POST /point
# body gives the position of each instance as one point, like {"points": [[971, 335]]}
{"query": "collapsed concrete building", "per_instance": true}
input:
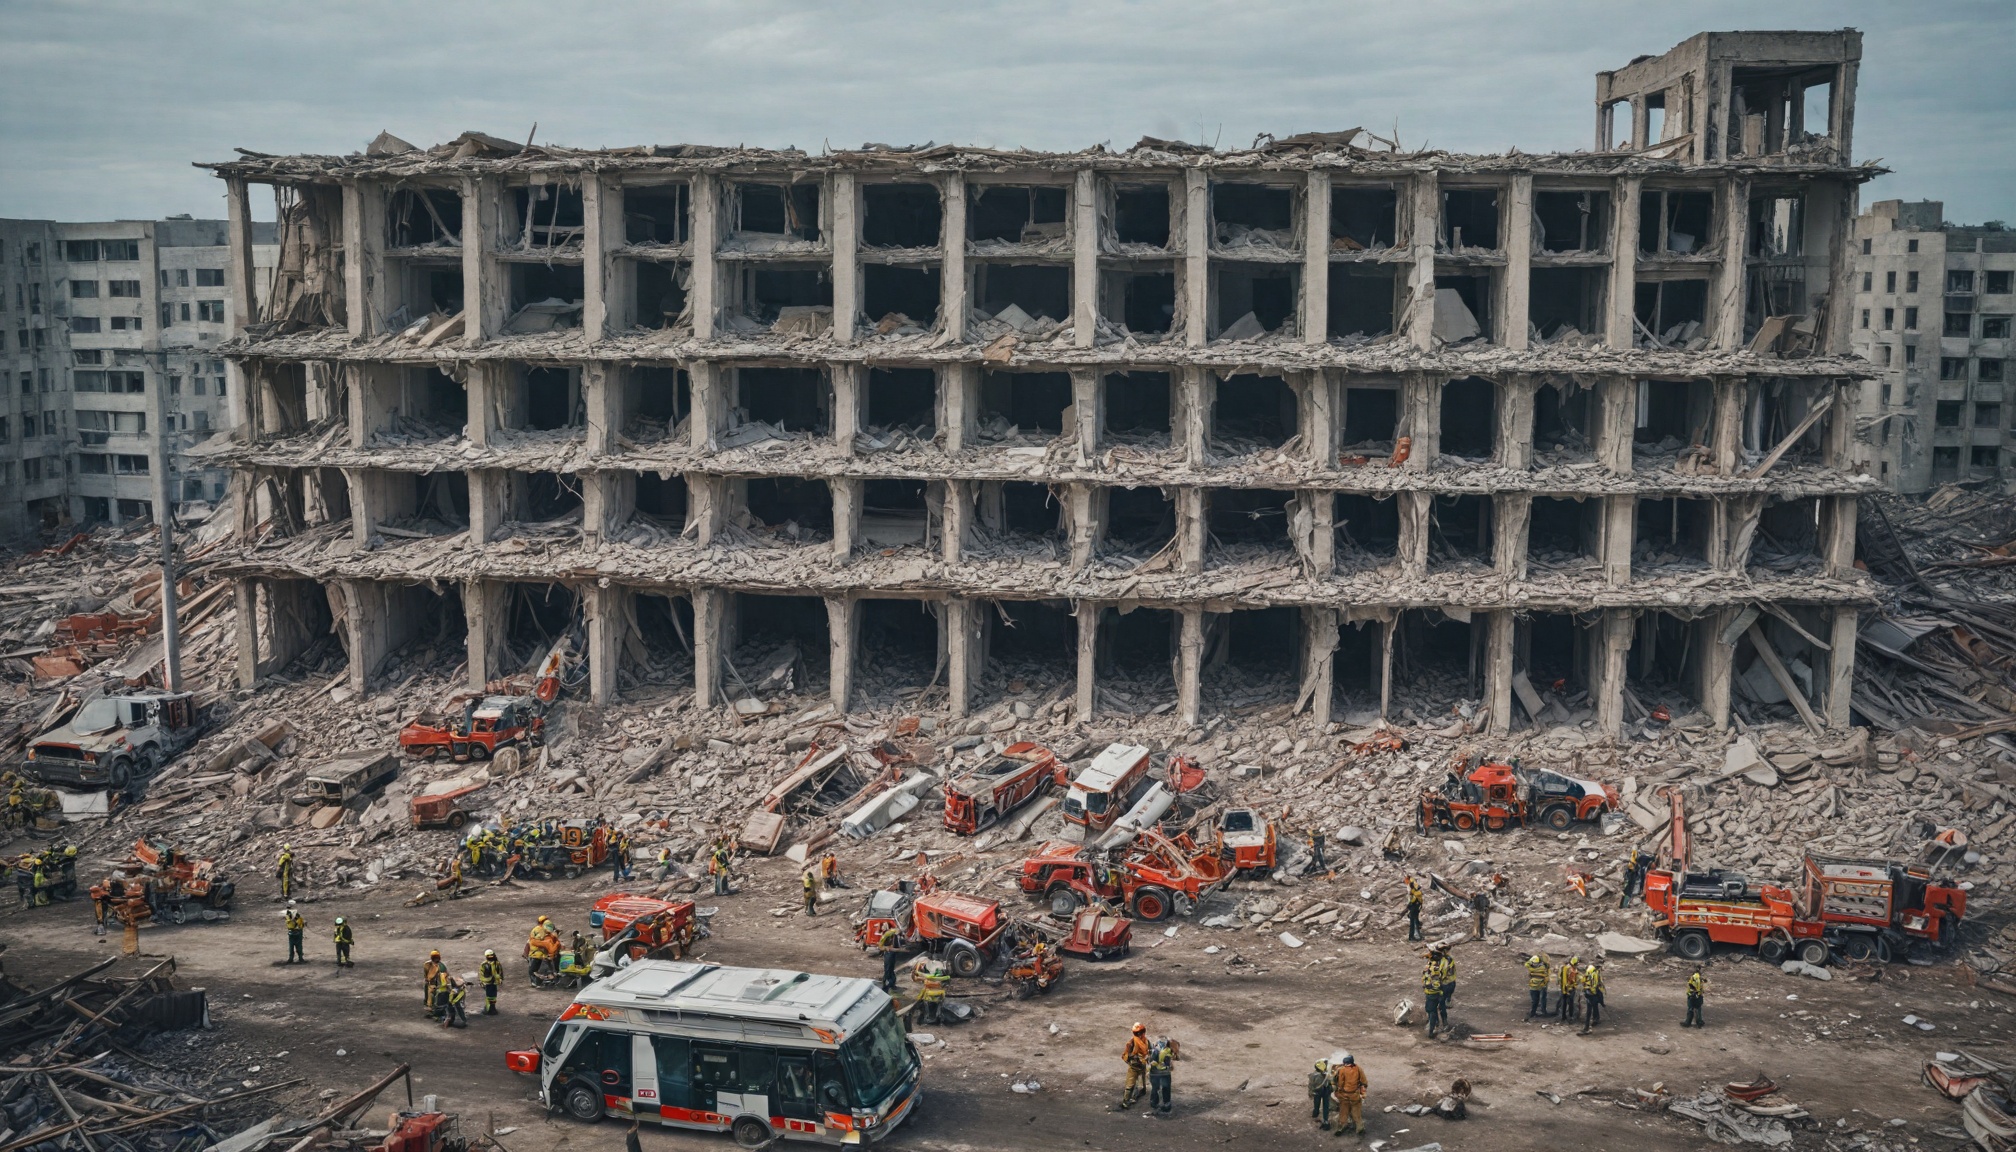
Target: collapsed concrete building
{"points": [[1371, 428]]}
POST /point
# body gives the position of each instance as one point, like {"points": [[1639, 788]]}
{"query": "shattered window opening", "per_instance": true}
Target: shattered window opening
{"points": [[1254, 299], [1460, 532], [1463, 307], [544, 296], [788, 509], [1141, 214], [800, 297], [1030, 511], [1676, 222], [1469, 418], [1362, 301], [1029, 404], [1368, 530], [545, 497], [1561, 532], [1672, 415], [1029, 641], [1251, 656], [778, 210], [895, 298], [1253, 412], [1242, 520], [662, 499], [1469, 219], [789, 399], [1566, 305], [658, 398], [901, 216], [1553, 649], [424, 218], [1142, 300], [1039, 292], [548, 216], [1135, 656], [1010, 214], [903, 398], [1363, 219], [1671, 532], [553, 399], [1356, 666], [1139, 521], [1571, 221], [780, 642], [1671, 313], [657, 213], [662, 294], [1371, 419], [662, 654], [1137, 406], [895, 513], [1253, 215], [1435, 661], [901, 644]]}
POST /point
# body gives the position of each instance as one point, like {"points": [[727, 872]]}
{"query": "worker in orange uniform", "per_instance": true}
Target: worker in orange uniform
{"points": [[1136, 1056], [829, 871], [1348, 1085]]}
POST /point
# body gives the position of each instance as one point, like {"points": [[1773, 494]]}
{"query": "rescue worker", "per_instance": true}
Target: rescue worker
{"points": [[16, 807], [1480, 910], [1633, 879], [664, 863], [1414, 898], [491, 974], [40, 881], [24, 881], [344, 940], [1537, 973], [1321, 1096], [931, 997], [1592, 997], [296, 926], [437, 995], [1316, 864], [1570, 979], [455, 875], [1161, 1077], [888, 944], [1350, 1087], [1447, 964], [1697, 987], [811, 893], [719, 866], [1431, 993], [101, 901], [1135, 1054], [286, 871], [454, 991], [428, 971], [829, 871]]}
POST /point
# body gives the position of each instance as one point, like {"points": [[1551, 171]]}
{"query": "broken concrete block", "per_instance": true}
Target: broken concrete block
{"points": [[1801, 968], [1618, 944]]}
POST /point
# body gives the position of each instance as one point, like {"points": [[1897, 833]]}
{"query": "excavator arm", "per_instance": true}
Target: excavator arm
{"points": [[1678, 852]]}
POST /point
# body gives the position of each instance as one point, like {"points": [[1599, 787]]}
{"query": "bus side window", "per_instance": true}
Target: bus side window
{"points": [[715, 1070], [675, 1071], [759, 1070], [615, 1063], [832, 1084]]}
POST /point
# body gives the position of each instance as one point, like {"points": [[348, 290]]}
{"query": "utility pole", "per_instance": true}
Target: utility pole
{"points": [[164, 519]]}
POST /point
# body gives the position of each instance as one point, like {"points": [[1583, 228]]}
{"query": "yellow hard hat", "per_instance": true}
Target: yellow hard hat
{"points": [[434, 955]]}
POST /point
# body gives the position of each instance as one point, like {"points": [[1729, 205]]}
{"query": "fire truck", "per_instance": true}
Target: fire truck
{"points": [[967, 932], [978, 798], [1151, 878], [1107, 787], [1495, 796]]}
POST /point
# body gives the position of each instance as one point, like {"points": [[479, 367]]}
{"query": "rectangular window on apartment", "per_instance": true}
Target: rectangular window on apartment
{"points": [[1987, 415], [202, 420], [1865, 247], [1990, 371], [1910, 353], [1910, 246], [1985, 456], [209, 277], [202, 385], [27, 425], [1890, 282], [94, 464], [167, 314], [126, 324], [1886, 395], [164, 277], [1865, 317], [174, 385], [1952, 368], [84, 325], [134, 383], [1910, 319], [185, 311], [1959, 324], [80, 251], [1998, 283], [31, 470], [1994, 327], [3, 430], [1948, 414], [1866, 278], [88, 356], [88, 381], [1910, 282], [27, 383], [129, 465], [1889, 319], [220, 385], [1959, 280], [83, 289], [119, 249], [35, 252], [129, 288], [210, 311], [1884, 354], [182, 278]]}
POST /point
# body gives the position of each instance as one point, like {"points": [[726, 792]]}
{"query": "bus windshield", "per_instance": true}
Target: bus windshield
{"points": [[877, 1059]]}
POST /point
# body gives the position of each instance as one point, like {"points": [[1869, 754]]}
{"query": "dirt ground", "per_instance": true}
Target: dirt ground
{"points": [[1250, 1028]]}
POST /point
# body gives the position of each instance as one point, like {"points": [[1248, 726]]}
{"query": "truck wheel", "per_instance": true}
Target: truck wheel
{"points": [[457, 819], [583, 1103], [1558, 819], [1813, 952], [1773, 949], [478, 751], [1464, 821], [1859, 946], [751, 1132], [1064, 902], [1693, 945], [1152, 904], [964, 959], [119, 775]]}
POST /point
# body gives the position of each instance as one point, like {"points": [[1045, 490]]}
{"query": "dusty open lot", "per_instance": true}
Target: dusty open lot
{"points": [[1251, 1017]]}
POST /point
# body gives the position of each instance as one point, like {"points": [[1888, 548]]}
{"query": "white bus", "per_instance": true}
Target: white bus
{"points": [[757, 1052]]}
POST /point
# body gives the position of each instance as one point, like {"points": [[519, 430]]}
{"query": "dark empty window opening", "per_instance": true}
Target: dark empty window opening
{"points": [[794, 399], [552, 399], [661, 294], [787, 633], [1363, 219], [1457, 294], [424, 218], [1252, 656], [1040, 291], [894, 513], [1571, 221], [1368, 529], [662, 498], [1772, 108], [1672, 531], [1016, 214], [1469, 218], [1248, 516], [549, 215], [1671, 314], [1552, 649], [1777, 226], [1253, 409], [657, 214], [778, 210], [1137, 648], [1945, 464], [1025, 403], [1139, 521], [1143, 302], [1361, 301], [438, 401], [1675, 223], [1672, 414], [1774, 410], [1254, 299], [442, 497], [1031, 510], [663, 652], [557, 291], [1561, 420], [540, 614], [1137, 405], [547, 496], [1984, 456], [903, 398], [1566, 303], [901, 216], [1460, 531], [1371, 420], [659, 398], [1035, 641], [1664, 667], [1435, 661], [768, 291], [431, 288], [1355, 668], [286, 407], [1260, 214], [1560, 531], [1788, 534], [790, 509], [899, 650], [1141, 215], [892, 294], [1469, 418]]}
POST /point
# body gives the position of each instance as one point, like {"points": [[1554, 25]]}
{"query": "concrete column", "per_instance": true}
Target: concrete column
{"points": [[1620, 518], [1732, 216], [850, 399], [708, 385], [959, 401], [1315, 319], [958, 519], [1498, 628], [1511, 520], [846, 257], [1084, 258], [602, 385], [1088, 408], [1322, 504], [1319, 663], [486, 292], [1515, 296], [607, 622], [1620, 331], [239, 275], [1087, 612], [1616, 421], [373, 394], [1613, 642], [1088, 522], [485, 609], [843, 626], [1196, 278], [1191, 530], [1190, 422], [485, 387], [365, 303], [1837, 534], [364, 630], [1189, 664], [706, 296], [1837, 430], [710, 610], [609, 290], [1515, 422], [1718, 663], [952, 286], [1421, 419], [963, 651], [1841, 666], [1425, 211], [488, 508], [1387, 628], [607, 501], [376, 495], [245, 599], [847, 492], [707, 501], [1318, 418], [1726, 434], [1413, 544]]}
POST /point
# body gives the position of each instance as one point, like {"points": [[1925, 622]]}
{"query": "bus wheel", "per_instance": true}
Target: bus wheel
{"points": [[1693, 946], [584, 1103], [751, 1132]]}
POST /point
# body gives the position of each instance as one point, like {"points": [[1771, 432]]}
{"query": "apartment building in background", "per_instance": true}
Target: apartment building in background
{"points": [[1934, 305], [110, 333]]}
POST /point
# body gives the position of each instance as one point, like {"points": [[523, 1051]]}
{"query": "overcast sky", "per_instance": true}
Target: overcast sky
{"points": [[104, 103]]}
